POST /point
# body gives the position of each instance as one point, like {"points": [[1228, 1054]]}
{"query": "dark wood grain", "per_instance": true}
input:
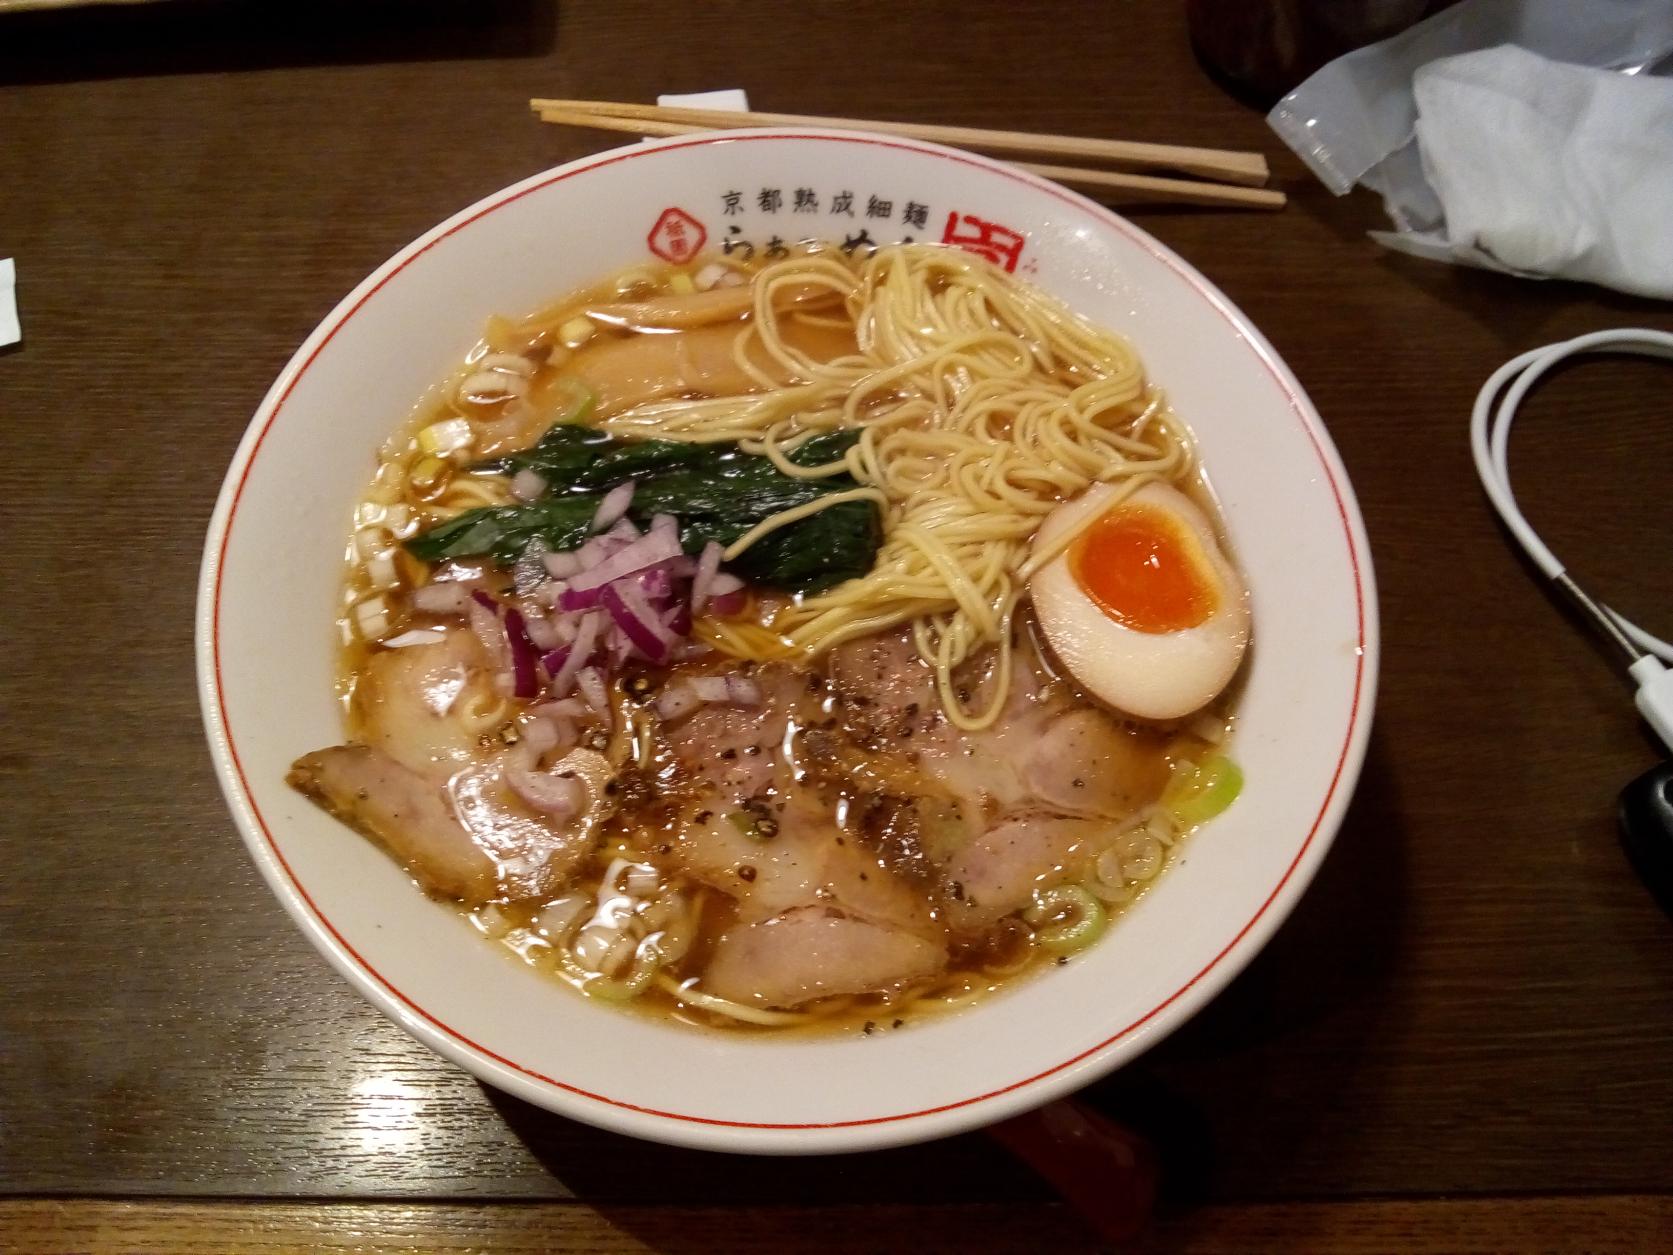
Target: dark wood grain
{"points": [[1566, 1225], [1475, 997]]}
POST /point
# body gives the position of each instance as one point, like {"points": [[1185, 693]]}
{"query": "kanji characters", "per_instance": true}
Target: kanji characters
{"points": [[1000, 245]]}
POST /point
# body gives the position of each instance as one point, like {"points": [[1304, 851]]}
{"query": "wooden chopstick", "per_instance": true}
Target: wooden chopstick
{"points": [[1229, 166], [1102, 183]]}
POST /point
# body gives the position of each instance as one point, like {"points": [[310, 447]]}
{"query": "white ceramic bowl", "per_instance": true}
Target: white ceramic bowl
{"points": [[269, 589]]}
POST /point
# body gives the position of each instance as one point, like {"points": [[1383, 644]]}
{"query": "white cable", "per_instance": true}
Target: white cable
{"points": [[1490, 422], [1490, 438]]}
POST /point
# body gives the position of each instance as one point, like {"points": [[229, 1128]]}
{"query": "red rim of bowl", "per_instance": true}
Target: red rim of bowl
{"points": [[707, 1131]]}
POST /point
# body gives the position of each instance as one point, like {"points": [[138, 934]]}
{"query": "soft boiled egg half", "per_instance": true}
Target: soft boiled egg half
{"points": [[1142, 607]]}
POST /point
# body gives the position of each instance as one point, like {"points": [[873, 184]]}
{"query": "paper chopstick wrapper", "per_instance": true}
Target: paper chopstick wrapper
{"points": [[10, 331]]}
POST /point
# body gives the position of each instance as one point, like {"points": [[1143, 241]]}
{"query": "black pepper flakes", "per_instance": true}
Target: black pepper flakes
{"points": [[703, 817], [638, 686], [870, 1027], [1078, 783], [728, 753], [746, 873], [897, 1024], [752, 750], [1062, 960]]}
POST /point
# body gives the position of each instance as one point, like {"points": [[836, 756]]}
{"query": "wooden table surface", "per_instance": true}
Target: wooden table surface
{"points": [[1462, 1039]]}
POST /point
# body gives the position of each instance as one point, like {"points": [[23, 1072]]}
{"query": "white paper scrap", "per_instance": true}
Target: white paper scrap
{"points": [[731, 99], [10, 332]]}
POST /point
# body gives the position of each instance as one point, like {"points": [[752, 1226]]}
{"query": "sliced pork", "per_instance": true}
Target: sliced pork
{"points": [[812, 952], [402, 811]]}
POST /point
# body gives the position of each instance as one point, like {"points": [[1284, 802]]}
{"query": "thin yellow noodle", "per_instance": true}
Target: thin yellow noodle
{"points": [[982, 404], [471, 492], [724, 1006], [785, 517]]}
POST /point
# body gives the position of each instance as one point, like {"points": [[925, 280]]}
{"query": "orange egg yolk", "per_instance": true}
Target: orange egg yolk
{"points": [[1145, 569]]}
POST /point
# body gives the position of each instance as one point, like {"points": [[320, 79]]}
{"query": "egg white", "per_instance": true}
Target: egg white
{"points": [[1153, 675]]}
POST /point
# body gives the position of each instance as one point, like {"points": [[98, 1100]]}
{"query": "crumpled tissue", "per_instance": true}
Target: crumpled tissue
{"points": [[1543, 168]]}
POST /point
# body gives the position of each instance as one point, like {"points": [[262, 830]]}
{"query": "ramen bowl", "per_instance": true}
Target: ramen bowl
{"points": [[270, 589]]}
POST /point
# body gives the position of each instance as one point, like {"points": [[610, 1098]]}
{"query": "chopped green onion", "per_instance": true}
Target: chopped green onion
{"points": [[1067, 918], [450, 436], [1197, 794], [577, 331]]}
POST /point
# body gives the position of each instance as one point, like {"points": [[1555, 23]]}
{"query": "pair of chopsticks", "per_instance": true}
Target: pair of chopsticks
{"points": [[1224, 177]]}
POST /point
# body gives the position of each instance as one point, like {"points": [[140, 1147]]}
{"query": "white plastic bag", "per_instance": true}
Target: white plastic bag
{"points": [[1545, 164]]}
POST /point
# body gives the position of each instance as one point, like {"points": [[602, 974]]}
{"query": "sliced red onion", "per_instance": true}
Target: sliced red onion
{"points": [[528, 484], [418, 636], [734, 690], [726, 604], [723, 585], [677, 619], [546, 791], [526, 681], [614, 505], [560, 566], [444, 598], [591, 554], [676, 701], [590, 680], [589, 632], [637, 618], [486, 624], [657, 583], [563, 708], [542, 631], [708, 566], [623, 530], [565, 664], [582, 592], [665, 523]]}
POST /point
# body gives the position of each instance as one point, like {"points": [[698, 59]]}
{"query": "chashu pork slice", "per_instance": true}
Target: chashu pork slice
{"points": [[402, 811], [470, 838], [999, 871], [812, 952]]}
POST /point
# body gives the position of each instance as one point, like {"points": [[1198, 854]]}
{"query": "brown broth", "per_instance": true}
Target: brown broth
{"points": [[647, 821]]}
